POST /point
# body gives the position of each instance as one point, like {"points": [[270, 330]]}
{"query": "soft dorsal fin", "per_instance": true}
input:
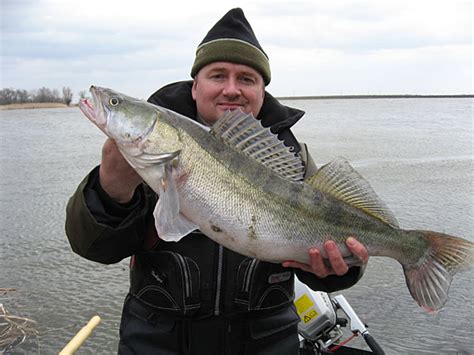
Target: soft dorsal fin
{"points": [[246, 134], [340, 180]]}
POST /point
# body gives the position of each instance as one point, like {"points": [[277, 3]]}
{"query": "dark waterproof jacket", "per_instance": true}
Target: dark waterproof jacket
{"points": [[189, 295]]}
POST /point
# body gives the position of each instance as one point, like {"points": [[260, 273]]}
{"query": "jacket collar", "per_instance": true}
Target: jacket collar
{"points": [[177, 97]]}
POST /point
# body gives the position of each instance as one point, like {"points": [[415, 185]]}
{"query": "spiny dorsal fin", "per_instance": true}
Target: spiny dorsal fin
{"points": [[340, 180], [246, 134]]}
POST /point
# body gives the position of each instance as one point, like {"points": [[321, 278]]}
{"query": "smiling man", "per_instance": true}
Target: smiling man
{"points": [[223, 86], [195, 296]]}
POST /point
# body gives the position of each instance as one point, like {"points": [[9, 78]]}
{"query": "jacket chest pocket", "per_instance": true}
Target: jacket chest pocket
{"points": [[262, 285], [167, 281]]}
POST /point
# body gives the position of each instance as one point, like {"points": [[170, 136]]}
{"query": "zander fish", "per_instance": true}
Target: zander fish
{"points": [[242, 187]]}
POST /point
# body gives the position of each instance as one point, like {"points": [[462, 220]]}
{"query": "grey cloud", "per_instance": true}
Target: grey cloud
{"points": [[80, 44], [362, 11], [359, 26], [29, 31], [370, 42]]}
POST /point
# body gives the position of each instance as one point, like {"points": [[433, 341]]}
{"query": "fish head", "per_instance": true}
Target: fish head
{"points": [[125, 119]]}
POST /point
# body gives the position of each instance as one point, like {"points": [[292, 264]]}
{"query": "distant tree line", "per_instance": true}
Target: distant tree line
{"points": [[19, 96]]}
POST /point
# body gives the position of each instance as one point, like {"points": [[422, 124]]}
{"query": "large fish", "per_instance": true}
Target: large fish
{"points": [[243, 188]]}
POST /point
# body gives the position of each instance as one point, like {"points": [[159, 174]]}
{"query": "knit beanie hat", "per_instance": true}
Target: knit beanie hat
{"points": [[232, 40]]}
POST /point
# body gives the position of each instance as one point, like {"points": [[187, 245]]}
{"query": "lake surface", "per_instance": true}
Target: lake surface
{"points": [[417, 153]]}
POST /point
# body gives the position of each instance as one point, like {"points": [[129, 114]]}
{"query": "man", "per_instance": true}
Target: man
{"points": [[195, 296]]}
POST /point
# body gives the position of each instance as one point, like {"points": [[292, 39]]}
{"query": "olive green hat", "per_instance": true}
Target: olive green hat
{"points": [[232, 40]]}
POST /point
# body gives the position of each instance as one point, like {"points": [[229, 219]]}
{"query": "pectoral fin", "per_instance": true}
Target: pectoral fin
{"points": [[170, 224]]}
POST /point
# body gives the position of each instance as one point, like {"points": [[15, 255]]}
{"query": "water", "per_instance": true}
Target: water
{"points": [[417, 154]]}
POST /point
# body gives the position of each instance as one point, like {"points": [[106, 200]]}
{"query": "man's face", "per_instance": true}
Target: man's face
{"points": [[223, 86]]}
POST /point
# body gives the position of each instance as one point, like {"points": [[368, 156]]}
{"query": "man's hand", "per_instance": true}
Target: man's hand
{"points": [[337, 265], [116, 176]]}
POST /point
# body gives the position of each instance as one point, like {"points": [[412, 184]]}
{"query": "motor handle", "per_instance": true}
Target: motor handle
{"points": [[357, 326], [373, 345]]}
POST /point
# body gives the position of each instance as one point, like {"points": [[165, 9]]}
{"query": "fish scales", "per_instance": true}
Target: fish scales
{"points": [[233, 189]]}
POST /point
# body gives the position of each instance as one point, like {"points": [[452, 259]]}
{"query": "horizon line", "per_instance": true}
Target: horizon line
{"points": [[372, 96]]}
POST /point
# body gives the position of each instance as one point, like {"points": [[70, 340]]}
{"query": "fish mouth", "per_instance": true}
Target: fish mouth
{"points": [[93, 109]]}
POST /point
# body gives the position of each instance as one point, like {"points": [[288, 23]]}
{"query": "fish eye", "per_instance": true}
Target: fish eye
{"points": [[114, 101]]}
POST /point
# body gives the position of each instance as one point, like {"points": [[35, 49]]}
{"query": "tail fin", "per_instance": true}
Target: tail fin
{"points": [[429, 279]]}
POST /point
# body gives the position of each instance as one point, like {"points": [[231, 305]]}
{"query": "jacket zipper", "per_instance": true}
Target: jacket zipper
{"points": [[186, 273], [219, 280], [249, 274]]}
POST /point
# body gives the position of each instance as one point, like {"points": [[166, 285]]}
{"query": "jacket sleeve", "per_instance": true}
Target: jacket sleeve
{"points": [[330, 283], [103, 230]]}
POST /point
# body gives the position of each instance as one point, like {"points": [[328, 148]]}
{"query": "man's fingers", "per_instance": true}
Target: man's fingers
{"points": [[357, 249], [333, 263], [116, 176], [318, 266], [335, 258]]}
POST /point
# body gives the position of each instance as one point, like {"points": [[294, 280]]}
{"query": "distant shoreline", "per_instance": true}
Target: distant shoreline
{"points": [[331, 97], [36, 105], [33, 105]]}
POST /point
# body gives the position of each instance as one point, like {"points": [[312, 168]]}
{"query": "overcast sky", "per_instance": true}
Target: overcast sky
{"points": [[316, 47]]}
